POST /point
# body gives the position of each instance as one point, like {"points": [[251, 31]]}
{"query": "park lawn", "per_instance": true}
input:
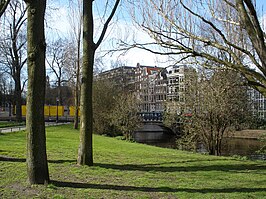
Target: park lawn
{"points": [[126, 170]]}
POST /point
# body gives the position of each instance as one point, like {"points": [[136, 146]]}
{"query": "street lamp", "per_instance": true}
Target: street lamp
{"points": [[57, 103]]}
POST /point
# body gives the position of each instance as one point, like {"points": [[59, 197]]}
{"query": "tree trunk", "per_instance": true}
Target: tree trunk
{"points": [[3, 6], [77, 101], [18, 101], [76, 116], [37, 166], [85, 155]]}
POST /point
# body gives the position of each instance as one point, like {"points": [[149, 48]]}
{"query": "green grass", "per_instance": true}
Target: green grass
{"points": [[126, 170], [11, 124]]}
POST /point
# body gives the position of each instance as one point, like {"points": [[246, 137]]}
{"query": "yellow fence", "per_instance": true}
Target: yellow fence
{"points": [[72, 111], [23, 110], [48, 110]]}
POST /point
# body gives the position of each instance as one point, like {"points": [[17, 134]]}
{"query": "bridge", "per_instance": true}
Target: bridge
{"points": [[154, 117], [152, 128]]}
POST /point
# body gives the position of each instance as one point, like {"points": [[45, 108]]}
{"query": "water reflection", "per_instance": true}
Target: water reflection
{"points": [[230, 147]]}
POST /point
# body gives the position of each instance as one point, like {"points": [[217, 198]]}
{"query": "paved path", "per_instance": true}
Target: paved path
{"points": [[12, 129], [21, 128]]}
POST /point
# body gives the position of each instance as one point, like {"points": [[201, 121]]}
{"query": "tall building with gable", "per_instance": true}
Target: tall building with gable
{"points": [[150, 88], [153, 85]]}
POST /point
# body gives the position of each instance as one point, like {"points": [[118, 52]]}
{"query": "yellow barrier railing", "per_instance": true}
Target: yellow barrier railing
{"points": [[52, 111], [72, 111], [48, 110]]}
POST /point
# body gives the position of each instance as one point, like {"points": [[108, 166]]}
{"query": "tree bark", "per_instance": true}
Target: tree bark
{"points": [[3, 6], [77, 89], [37, 166], [85, 156], [76, 117], [18, 99]]}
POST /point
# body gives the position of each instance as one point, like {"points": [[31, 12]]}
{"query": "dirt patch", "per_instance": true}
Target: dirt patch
{"points": [[26, 191]]}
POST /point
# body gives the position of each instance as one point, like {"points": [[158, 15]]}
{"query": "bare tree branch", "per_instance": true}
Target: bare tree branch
{"points": [[3, 6], [106, 24]]}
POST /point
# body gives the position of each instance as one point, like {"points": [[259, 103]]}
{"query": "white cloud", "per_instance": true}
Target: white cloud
{"points": [[58, 26], [263, 22]]}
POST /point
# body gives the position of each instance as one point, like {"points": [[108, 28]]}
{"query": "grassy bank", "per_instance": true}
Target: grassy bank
{"points": [[126, 170]]}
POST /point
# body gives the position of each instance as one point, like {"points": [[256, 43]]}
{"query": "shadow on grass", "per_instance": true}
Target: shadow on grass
{"points": [[153, 189], [12, 159], [62, 161], [159, 168], [111, 187]]}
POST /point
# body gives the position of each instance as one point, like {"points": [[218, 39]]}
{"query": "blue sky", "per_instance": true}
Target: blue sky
{"points": [[261, 2]]}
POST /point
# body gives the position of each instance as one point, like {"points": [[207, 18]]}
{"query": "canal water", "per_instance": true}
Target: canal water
{"points": [[231, 146]]}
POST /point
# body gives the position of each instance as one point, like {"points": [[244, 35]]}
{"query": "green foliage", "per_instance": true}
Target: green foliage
{"points": [[115, 111], [257, 123], [127, 170], [104, 101], [171, 118], [263, 148], [125, 117], [188, 140], [215, 103]]}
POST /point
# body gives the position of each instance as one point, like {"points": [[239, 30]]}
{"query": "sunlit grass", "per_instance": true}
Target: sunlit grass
{"points": [[126, 170]]}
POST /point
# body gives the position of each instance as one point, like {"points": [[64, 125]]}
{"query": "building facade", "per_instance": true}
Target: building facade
{"points": [[123, 76], [153, 85], [150, 88], [158, 89], [257, 103]]}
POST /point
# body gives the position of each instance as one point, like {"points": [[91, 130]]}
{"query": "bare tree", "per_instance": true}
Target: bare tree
{"points": [[215, 103], [58, 60], [4, 91], [228, 33], [37, 165], [85, 153], [13, 50], [75, 17]]}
